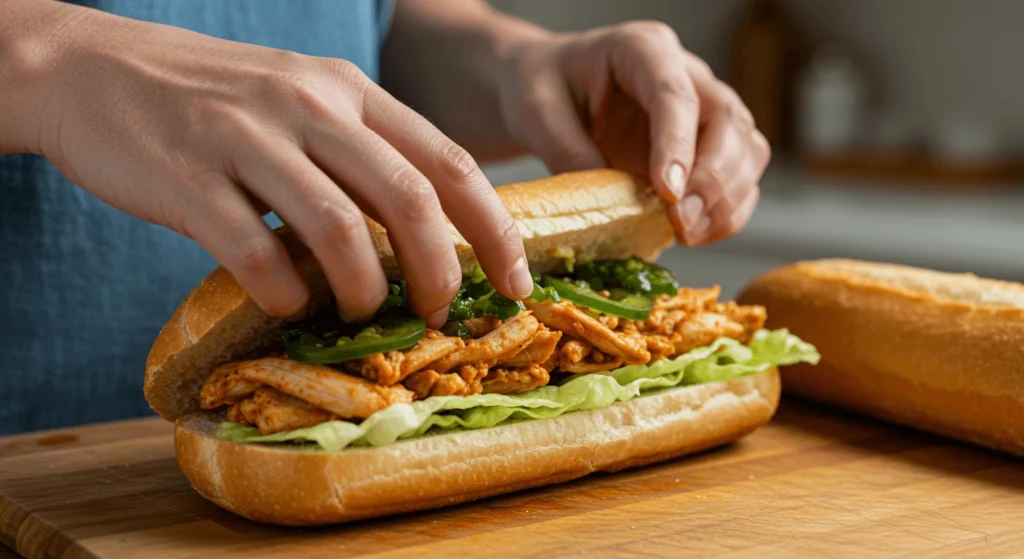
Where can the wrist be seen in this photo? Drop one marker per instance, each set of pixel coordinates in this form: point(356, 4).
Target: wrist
point(35, 37)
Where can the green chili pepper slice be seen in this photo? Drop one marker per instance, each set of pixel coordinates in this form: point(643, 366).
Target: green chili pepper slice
point(386, 335)
point(630, 306)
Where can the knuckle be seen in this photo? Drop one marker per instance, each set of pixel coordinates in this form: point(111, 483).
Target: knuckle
point(732, 106)
point(651, 31)
point(531, 105)
point(413, 196)
point(344, 70)
point(337, 225)
point(450, 283)
point(700, 66)
point(762, 148)
point(737, 197)
point(712, 184)
point(299, 91)
point(225, 122)
point(679, 89)
point(257, 258)
point(678, 140)
point(456, 164)
point(508, 231)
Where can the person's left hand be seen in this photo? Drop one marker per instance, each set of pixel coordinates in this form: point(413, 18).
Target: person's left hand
point(631, 97)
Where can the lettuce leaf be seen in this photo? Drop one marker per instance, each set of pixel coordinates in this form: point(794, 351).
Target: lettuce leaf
point(725, 359)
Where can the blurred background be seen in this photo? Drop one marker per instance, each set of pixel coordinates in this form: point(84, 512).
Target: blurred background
point(897, 127)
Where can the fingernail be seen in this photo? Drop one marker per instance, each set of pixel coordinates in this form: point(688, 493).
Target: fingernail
point(675, 180)
point(696, 234)
point(438, 318)
point(690, 210)
point(520, 279)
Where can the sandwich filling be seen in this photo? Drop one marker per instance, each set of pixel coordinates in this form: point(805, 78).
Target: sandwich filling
point(626, 322)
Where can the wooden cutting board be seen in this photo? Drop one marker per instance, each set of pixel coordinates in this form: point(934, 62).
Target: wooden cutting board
point(810, 484)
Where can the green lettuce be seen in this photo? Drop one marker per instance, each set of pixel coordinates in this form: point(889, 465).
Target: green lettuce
point(723, 360)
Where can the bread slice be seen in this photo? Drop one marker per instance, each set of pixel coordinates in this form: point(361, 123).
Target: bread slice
point(937, 351)
point(590, 214)
point(294, 487)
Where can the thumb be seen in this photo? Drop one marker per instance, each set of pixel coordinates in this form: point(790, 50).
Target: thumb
point(548, 124)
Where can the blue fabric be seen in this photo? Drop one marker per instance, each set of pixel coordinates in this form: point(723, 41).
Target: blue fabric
point(86, 288)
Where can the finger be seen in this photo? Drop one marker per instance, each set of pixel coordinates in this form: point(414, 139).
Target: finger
point(377, 174)
point(225, 223)
point(651, 65)
point(731, 213)
point(324, 218)
point(550, 127)
point(466, 195)
point(732, 220)
point(722, 148)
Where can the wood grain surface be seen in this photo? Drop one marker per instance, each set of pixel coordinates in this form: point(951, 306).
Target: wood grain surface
point(810, 484)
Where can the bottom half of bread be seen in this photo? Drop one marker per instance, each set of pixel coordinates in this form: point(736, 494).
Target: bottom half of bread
point(281, 485)
point(915, 399)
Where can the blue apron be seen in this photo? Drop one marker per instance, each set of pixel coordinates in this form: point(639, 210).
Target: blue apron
point(84, 288)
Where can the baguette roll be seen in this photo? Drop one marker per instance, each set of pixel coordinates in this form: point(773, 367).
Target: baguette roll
point(936, 351)
point(593, 215)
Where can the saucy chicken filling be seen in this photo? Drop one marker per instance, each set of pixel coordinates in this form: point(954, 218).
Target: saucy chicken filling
point(628, 313)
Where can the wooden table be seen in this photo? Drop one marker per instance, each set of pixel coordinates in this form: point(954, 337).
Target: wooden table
point(810, 484)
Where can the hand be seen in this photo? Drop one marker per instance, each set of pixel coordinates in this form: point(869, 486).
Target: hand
point(203, 136)
point(633, 98)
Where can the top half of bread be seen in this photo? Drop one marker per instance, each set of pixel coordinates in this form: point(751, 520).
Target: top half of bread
point(601, 214)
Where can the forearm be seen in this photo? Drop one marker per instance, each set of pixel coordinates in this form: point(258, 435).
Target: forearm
point(441, 58)
point(33, 35)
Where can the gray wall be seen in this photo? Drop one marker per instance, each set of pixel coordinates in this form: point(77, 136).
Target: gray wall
point(936, 58)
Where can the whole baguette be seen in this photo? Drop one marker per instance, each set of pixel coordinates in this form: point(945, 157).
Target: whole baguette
point(589, 214)
point(937, 351)
point(294, 487)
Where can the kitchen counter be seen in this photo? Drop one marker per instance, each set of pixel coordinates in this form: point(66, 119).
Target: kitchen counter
point(811, 483)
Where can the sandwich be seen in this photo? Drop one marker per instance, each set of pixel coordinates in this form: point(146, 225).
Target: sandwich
point(937, 351)
point(609, 364)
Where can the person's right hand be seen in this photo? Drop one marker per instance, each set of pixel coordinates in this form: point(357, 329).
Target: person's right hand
point(203, 135)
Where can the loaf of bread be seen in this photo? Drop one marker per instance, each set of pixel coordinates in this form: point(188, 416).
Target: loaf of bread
point(937, 351)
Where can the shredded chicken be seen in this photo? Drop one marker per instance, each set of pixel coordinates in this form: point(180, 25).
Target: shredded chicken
point(244, 412)
point(686, 299)
point(382, 368)
point(573, 321)
point(516, 332)
point(465, 382)
point(224, 388)
point(392, 367)
point(659, 346)
point(584, 367)
point(272, 411)
point(609, 320)
point(480, 326)
point(751, 317)
point(503, 357)
point(703, 329)
point(574, 351)
point(343, 395)
point(537, 352)
point(515, 381)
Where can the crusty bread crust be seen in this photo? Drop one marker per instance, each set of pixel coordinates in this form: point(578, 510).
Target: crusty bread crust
point(291, 487)
point(940, 352)
point(595, 214)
